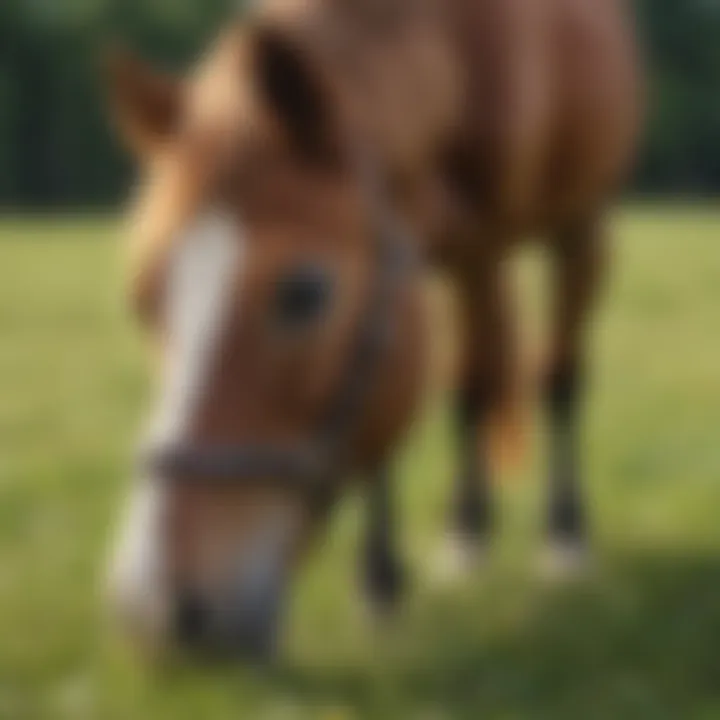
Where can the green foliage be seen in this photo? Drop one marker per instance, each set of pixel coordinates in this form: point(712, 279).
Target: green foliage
point(55, 149)
point(682, 41)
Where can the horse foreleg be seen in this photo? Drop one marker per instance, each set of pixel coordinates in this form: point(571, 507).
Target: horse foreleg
point(382, 572)
point(579, 260)
point(481, 389)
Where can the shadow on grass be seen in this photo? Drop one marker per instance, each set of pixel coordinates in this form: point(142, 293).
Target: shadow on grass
point(642, 641)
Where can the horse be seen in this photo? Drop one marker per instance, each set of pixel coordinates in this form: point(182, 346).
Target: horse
point(294, 186)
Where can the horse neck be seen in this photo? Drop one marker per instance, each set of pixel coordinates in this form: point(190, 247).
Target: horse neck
point(396, 75)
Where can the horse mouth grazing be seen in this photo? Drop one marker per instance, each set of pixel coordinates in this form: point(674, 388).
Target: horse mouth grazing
point(205, 573)
point(240, 623)
point(229, 600)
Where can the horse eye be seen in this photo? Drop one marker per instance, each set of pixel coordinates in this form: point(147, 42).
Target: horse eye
point(302, 295)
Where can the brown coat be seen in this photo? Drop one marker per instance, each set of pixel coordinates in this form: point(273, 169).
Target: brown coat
point(523, 114)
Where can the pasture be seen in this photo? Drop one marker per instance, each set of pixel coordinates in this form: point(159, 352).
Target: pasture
point(638, 638)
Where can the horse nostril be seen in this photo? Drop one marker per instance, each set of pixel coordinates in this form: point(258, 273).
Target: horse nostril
point(191, 619)
point(244, 630)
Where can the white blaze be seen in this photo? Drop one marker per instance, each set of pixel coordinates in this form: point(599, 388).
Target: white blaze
point(201, 286)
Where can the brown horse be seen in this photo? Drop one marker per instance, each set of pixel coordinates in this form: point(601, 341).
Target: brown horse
point(290, 182)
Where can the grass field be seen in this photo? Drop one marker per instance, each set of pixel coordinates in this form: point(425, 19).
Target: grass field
point(640, 638)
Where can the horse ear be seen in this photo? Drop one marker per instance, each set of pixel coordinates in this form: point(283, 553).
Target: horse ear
point(292, 85)
point(145, 104)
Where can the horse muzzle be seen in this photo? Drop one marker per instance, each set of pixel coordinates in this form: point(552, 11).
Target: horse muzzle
point(240, 624)
point(212, 582)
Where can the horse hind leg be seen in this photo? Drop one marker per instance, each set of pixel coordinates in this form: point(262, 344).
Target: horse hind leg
point(579, 264)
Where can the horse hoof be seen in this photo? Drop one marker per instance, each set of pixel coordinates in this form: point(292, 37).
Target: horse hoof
point(561, 561)
point(383, 590)
point(457, 558)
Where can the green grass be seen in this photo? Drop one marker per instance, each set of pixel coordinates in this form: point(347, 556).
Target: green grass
point(640, 639)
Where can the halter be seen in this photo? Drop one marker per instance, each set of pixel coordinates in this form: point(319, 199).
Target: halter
point(308, 467)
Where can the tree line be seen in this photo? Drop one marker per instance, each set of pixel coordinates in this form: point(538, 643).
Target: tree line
point(56, 149)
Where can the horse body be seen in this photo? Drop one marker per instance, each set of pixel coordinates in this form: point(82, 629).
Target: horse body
point(494, 122)
point(480, 123)
point(524, 114)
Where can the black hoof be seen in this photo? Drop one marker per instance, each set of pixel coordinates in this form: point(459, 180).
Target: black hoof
point(385, 584)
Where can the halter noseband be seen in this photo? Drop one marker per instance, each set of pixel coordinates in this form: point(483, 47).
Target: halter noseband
point(308, 467)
